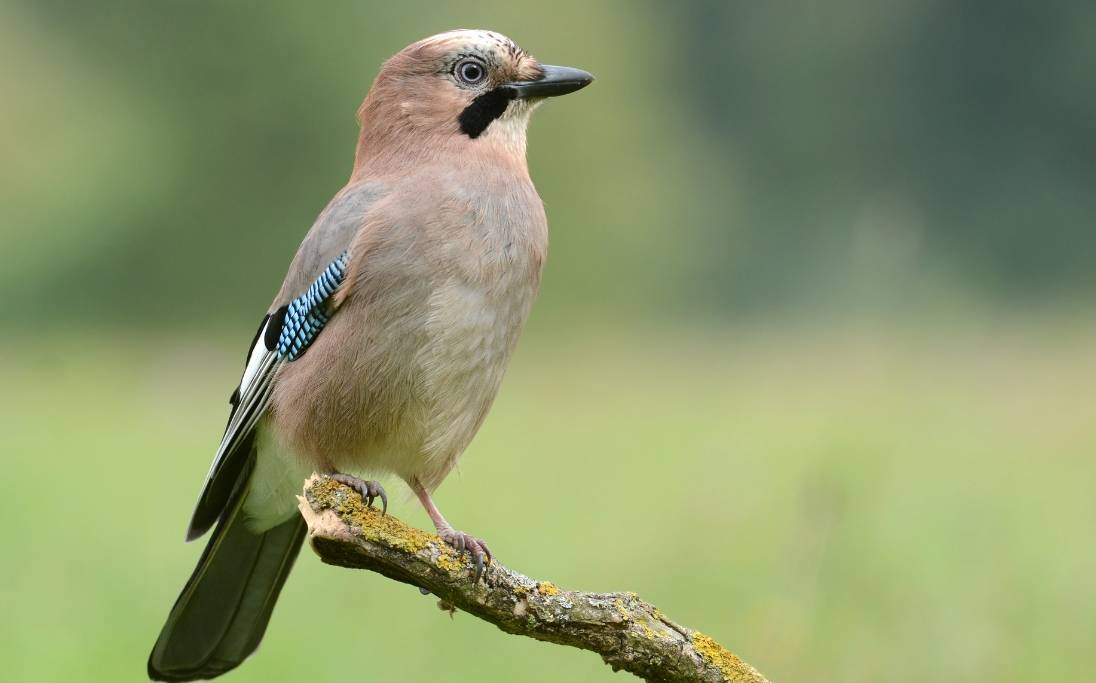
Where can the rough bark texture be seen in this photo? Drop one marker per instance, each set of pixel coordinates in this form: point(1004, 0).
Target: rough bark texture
point(628, 633)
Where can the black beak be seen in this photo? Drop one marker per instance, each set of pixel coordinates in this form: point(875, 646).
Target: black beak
point(556, 80)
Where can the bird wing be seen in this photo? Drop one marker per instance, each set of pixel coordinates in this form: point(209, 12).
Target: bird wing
point(303, 306)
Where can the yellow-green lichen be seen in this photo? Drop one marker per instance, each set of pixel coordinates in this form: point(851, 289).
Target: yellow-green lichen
point(733, 668)
point(371, 525)
point(618, 605)
point(648, 631)
point(547, 588)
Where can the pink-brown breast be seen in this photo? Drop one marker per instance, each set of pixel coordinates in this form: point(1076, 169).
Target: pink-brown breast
point(443, 275)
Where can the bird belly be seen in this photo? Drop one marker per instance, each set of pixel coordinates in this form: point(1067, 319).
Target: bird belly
point(471, 332)
point(406, 396)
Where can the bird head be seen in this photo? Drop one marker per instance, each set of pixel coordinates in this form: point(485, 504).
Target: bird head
point(462, 87)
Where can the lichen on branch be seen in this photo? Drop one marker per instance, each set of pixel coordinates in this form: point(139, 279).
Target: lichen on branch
point(628, 633)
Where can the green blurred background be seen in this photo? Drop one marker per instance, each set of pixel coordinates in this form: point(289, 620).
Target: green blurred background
point(813, 367)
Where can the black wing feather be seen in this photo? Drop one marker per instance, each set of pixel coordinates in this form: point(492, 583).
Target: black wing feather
point(235, 450)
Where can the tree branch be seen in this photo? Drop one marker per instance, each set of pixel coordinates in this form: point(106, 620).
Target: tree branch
point(628, 633)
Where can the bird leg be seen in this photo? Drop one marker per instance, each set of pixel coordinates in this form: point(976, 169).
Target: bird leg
point(477, 547)
point(368, 489)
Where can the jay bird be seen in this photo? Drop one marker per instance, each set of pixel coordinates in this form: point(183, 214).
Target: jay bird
point(387, 341)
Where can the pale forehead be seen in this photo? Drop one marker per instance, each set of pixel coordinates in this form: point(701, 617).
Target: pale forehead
point(477, 41)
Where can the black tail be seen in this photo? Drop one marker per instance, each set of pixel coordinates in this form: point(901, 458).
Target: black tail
point(223, 610)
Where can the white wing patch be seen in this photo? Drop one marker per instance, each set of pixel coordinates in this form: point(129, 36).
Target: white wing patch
point(254, 361)
point(254, 395)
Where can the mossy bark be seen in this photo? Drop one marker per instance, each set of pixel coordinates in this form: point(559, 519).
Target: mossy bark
point(629, 634)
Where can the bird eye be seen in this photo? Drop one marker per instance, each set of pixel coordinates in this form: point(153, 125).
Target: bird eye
point(471, 72)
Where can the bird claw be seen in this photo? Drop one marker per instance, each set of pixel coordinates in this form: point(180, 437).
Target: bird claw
point(477, 547)
point(369, 489)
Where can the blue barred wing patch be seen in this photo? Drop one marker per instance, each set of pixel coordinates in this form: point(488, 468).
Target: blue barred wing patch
point(306, 315)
